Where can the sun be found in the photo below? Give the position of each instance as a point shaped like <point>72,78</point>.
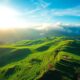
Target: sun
<point>12,18</point>
<point>8,17</point>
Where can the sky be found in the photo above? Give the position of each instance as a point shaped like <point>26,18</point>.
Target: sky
<point>25,13</point>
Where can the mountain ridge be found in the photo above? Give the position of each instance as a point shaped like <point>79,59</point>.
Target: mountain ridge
<point>49,55</point>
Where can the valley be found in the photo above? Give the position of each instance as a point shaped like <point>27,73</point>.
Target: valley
<point>42,59</point>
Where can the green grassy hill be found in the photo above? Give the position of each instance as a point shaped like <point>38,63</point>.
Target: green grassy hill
<point>40,59</point>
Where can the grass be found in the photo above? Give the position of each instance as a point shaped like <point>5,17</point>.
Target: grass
<point>31,60</point>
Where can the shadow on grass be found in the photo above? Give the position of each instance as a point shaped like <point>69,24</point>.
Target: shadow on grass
<point>14,56</point>
<point>67,68</point>
<point>52,75</point>
<point>73,50</point>
<point>43,48</point>
<point>73,47</point>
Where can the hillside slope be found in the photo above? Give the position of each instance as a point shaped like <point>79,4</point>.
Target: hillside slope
<point>40,60</point>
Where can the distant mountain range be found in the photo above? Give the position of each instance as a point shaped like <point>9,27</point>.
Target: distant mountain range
<point>35,33</point>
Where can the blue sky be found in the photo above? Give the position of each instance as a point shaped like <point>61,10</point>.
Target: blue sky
<point>45,11</point>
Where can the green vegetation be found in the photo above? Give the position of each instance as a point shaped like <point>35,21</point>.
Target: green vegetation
<point>34,59</point>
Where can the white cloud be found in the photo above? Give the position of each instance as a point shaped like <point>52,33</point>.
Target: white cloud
<point>44,4</point>
<point>57,25</point>
<point>75,11</point>
<point>41,6</point>
<point>31,17</point>
<point>47,26</point>
<point>41,13</point>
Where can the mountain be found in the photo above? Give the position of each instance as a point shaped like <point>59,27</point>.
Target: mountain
<point>50,58</point>
<point>14,35</point>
